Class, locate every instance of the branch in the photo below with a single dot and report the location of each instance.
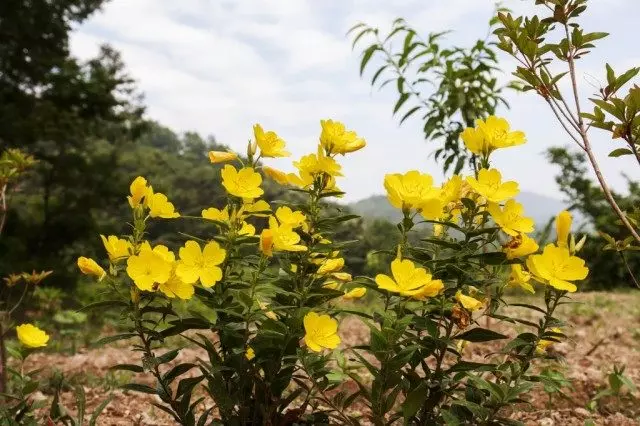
(587, 144)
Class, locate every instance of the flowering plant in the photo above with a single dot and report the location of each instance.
(271, 287)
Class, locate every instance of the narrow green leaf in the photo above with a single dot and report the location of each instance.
(479, 334)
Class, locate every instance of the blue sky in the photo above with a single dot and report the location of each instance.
(219, 66)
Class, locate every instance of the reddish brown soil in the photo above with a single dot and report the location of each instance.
(606, 325)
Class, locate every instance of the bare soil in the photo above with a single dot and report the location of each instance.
(604, 331)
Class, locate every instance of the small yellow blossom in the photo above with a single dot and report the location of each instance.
(321, 331)
(413, 190)
(90, 267)
(283, 238)
(216, 214)
(520, 278)
(244, 183)
(314, 164)
(490, 135)
(150, 267)
(159, 206)
(330, 265)
(259, 208)
(520, 245)
(356, 293)
(556, 267)
(175, 287)
(468, 302)
(286, 216)
(138, 190)
(510, 218)
(332, 285)
(247, 230)
(336, 139)
(116, 248)
(250, 353)
(31, 336)
(201, 264)
(275, 174)
(563, 227)
(271, 145)
(221, 156)
(342, 276)
(543, 344)
(489, 184)
(266, 242)
(407, 279)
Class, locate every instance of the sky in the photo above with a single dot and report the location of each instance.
(219, 66)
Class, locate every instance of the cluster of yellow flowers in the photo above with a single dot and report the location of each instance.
(415, 193)
(158, 269)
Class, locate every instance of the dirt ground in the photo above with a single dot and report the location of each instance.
(605, 332)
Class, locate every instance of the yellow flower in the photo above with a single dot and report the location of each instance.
(271, 145)
(266, 242)
(542, 345)
(489, 185)
(336, 139)
(342, 276)
(468, 302)
(31, 336)
(201, 264)
(453, 190)
(490, 135)
(244, 183)
(90, 267)
(520, 278)
(430, 290)
(150, 267)
(258, 208)
(331, 285)
(159, 206)
(283, 237)
(221, 156)
(407, 279)
(117, 248)
(356, 293)
(563, 227)
(275, 174)
(138, 190)
(413, 190)
(321, 331)
(510, 218)
(215, 214)
(250, 353)
(330, 265)
(520, 245)
(175, 287)
(556, 267)
(247, 229)
(315, 164)
(286, 216)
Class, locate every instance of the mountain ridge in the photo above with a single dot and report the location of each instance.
(540, 208)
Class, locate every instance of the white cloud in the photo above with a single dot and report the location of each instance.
(218, 67)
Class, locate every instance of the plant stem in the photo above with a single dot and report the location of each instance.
(626, 264)
(3, 361)
(587, 144)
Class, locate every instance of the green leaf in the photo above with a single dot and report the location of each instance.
(620, 152)
(366, 56)
(409, 113)
(104, 304)
(81, 401)
(99, 409)
(401, 100)
(176, 371)
(127, 367)
(479, 334)
(138, 387)
(114, 338)
(471, 366)
(414, 401)
(186, 385)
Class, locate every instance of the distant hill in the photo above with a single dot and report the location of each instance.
(538, 207)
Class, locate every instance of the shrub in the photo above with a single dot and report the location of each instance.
(271, 287)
